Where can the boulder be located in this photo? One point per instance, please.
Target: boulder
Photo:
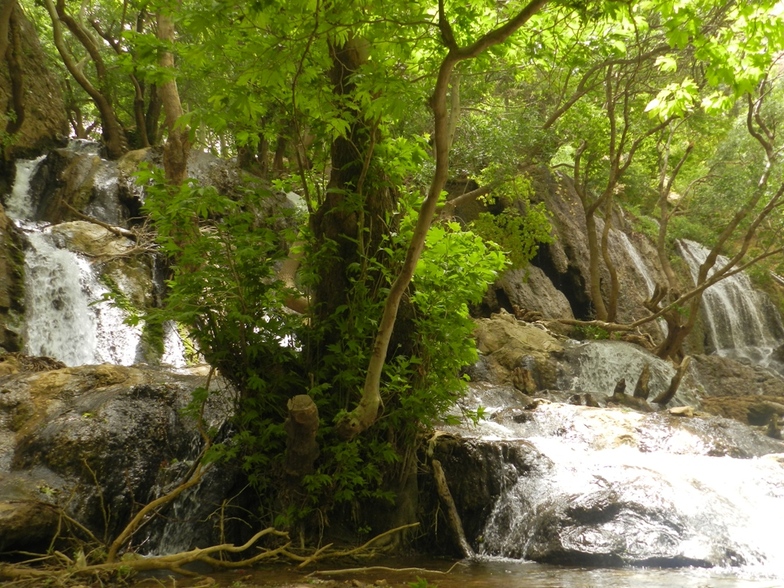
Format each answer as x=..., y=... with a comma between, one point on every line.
x=512, y=351
x=532, y=290
x=95, y=443
x=576, y=485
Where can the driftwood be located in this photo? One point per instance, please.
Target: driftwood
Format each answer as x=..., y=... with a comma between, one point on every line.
x=451, y=510
x=119, y=231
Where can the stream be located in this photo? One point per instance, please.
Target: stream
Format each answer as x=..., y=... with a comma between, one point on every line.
x=633, y=495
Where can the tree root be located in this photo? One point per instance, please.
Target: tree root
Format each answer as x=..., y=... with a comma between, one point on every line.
x=382, y=569
x=68, y=571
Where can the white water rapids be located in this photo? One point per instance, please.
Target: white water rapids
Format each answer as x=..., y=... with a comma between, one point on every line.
x=626, y=487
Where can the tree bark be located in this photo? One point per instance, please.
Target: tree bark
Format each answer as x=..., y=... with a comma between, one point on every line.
x=178, y=146
x=301, y=427
x=12, y=51
x=113, y=134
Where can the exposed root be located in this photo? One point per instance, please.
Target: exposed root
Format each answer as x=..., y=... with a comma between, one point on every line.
x=382, y=569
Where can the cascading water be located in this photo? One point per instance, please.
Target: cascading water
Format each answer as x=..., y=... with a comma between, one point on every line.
x=741, y=322
x=63, y=320
x=589, y=486
x=638, y=262
x=67, y=317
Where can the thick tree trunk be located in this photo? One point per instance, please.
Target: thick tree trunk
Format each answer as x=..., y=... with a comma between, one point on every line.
x=351, y=222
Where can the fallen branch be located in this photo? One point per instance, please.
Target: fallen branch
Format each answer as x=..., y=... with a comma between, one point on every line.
x=613, y=327
x=452, y=515
x=119, y=231
x=364, y=547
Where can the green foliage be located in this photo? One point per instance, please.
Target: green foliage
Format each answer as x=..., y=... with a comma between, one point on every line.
x=421, y=583
x=591, y=333
x=521, y=227
x=519, y=234
x=223, y=286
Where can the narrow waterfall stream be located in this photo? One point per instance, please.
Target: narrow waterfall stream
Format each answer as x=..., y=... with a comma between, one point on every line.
x=67, y=317
x=637, y=261
x=741, y=322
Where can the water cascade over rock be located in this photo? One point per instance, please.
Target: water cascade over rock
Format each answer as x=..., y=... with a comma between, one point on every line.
x=741, y=322
x=581, y=485
x=562, y=471
x=69, y=269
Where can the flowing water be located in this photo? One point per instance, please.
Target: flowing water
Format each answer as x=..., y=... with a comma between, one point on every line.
x=67, y=314
x=628, y=488
x=638, y=263
x=623, y=488
x=741, y=322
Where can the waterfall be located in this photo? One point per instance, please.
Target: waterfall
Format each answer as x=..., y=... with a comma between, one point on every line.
x=19, y=205
x=587, y=486
x=740, y=322
x=66, y=318
x=638, y=262
x=69, y=315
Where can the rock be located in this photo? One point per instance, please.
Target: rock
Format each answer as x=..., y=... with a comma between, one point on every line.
x=577, y=485
x=721, y=376
x=517, y=352
x=598, y=366
x=45, y=121
x=26, y=524
x=11, y=284
x=94, y=441
x=532, y=290
x=80, y=180
x=91, y=239
x=684, y=411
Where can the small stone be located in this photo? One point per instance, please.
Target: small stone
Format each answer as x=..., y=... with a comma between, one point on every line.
x=683, y=411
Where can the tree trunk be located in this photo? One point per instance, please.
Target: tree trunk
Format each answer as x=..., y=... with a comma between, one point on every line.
x=351, y=220
x=594, y=271
x=178, y=146
x=365, y=414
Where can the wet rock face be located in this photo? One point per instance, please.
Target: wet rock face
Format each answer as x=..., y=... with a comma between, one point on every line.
x=11, y=284
x=486, y=469
x=92, y=441
x=78, y=179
